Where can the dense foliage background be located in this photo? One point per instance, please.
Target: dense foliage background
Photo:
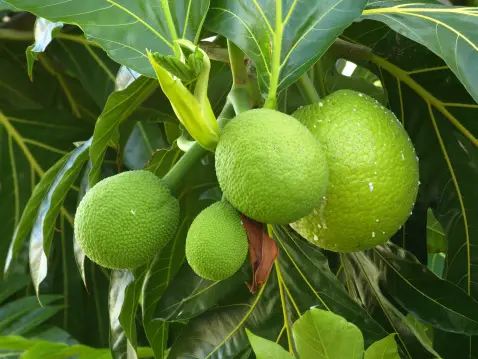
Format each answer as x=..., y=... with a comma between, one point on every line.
x=79, y=101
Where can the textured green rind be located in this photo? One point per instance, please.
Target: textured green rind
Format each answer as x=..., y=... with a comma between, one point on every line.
x=270, y=167
x=124, y=220
x=373, y=173
x=216, y=244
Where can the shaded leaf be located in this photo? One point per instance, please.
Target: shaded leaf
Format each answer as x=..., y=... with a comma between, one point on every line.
x=309, y=282
x=193, y=197
x=126, y=29
x=423, y=294
x=265, y=349
x=43, y=229
x=189, y=295
x=322, y=334
x=44, y=32
x=227, y=337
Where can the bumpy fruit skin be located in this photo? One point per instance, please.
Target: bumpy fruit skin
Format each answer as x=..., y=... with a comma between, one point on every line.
x=373, y=173
x=270, y=167
x=216, y=244
x=123, y=221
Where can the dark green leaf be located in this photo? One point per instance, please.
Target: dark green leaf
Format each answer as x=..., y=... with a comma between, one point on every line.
x=383, y=349
x=44, y=31
x=193, y=196
x=12, y=284
x=189, y=295
x=308, y=280
x=322, y=334
x=220, y=332
x=145, y=139
x=265, y=349
x=454, y=37
x=126, y=29
x=309, y=27
x=50, y=207
x=120, y=105
x=423, y=294
x=436, y=241
x=125, y=290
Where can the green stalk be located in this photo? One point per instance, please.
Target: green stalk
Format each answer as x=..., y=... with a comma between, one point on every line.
x=307, y=89
x=271, y=101
x=171, y=27
x=240, y=100
x=176, y=175
x=238, y=67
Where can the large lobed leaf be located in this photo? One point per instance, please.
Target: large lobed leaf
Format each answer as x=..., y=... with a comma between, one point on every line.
x=307, y=29
x=125, y=29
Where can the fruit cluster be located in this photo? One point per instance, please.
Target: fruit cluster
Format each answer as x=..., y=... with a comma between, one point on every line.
x=342, y=172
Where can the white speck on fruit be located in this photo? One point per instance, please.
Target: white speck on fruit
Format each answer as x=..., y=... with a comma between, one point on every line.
x=319, y=121
x=373, y=234
x=315, y=126
x=275, y=148
x=403, y=157
x=133, y=212
x=374, y=163
x=354, y=110
x=319, y=226
x=419, y=183
x=370, y=185
x=374, y=172
x=411, y=213
x=321, y=104
x=417, y=158
x=383, y=232
x=377, y=220
x=360, y=95
x=316, y=238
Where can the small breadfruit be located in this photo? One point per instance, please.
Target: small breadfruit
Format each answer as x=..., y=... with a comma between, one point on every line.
x=216, y=244
x=373, y=173
x=123, y=221
x=270, y=167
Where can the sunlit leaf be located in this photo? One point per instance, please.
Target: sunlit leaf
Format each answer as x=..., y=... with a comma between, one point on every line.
x=383, y=349
x=322, y=334
x=433, y=26
x=306, y=30
x=120, y=105
x=126, y=29
x=266, y=349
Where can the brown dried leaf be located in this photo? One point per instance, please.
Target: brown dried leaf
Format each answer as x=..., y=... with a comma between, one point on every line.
x=262, y=252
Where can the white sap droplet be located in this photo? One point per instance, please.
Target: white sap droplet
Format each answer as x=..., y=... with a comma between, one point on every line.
x=411, y=213
x=315, y=126
x=383, y=232
x=321, y=104
x=319, y=121
x=403, y=157
x=133, y=212
x=316, y=238
x=354, y=110
x=375, y=172
x=377, y=220
x=419, y=183
x=375, y=163
x=417, y=158
x=373, y=234
x=370, y=185
x=360, y=95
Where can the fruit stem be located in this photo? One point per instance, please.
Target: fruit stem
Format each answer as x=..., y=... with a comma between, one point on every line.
x=307, y=89
x=175, y=176
x=239, y=98
x=195, y=153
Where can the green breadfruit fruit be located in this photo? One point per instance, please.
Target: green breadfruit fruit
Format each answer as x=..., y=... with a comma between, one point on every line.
x=216, y=244
x=126, y=219
x=373, y=173
x=270, y=167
